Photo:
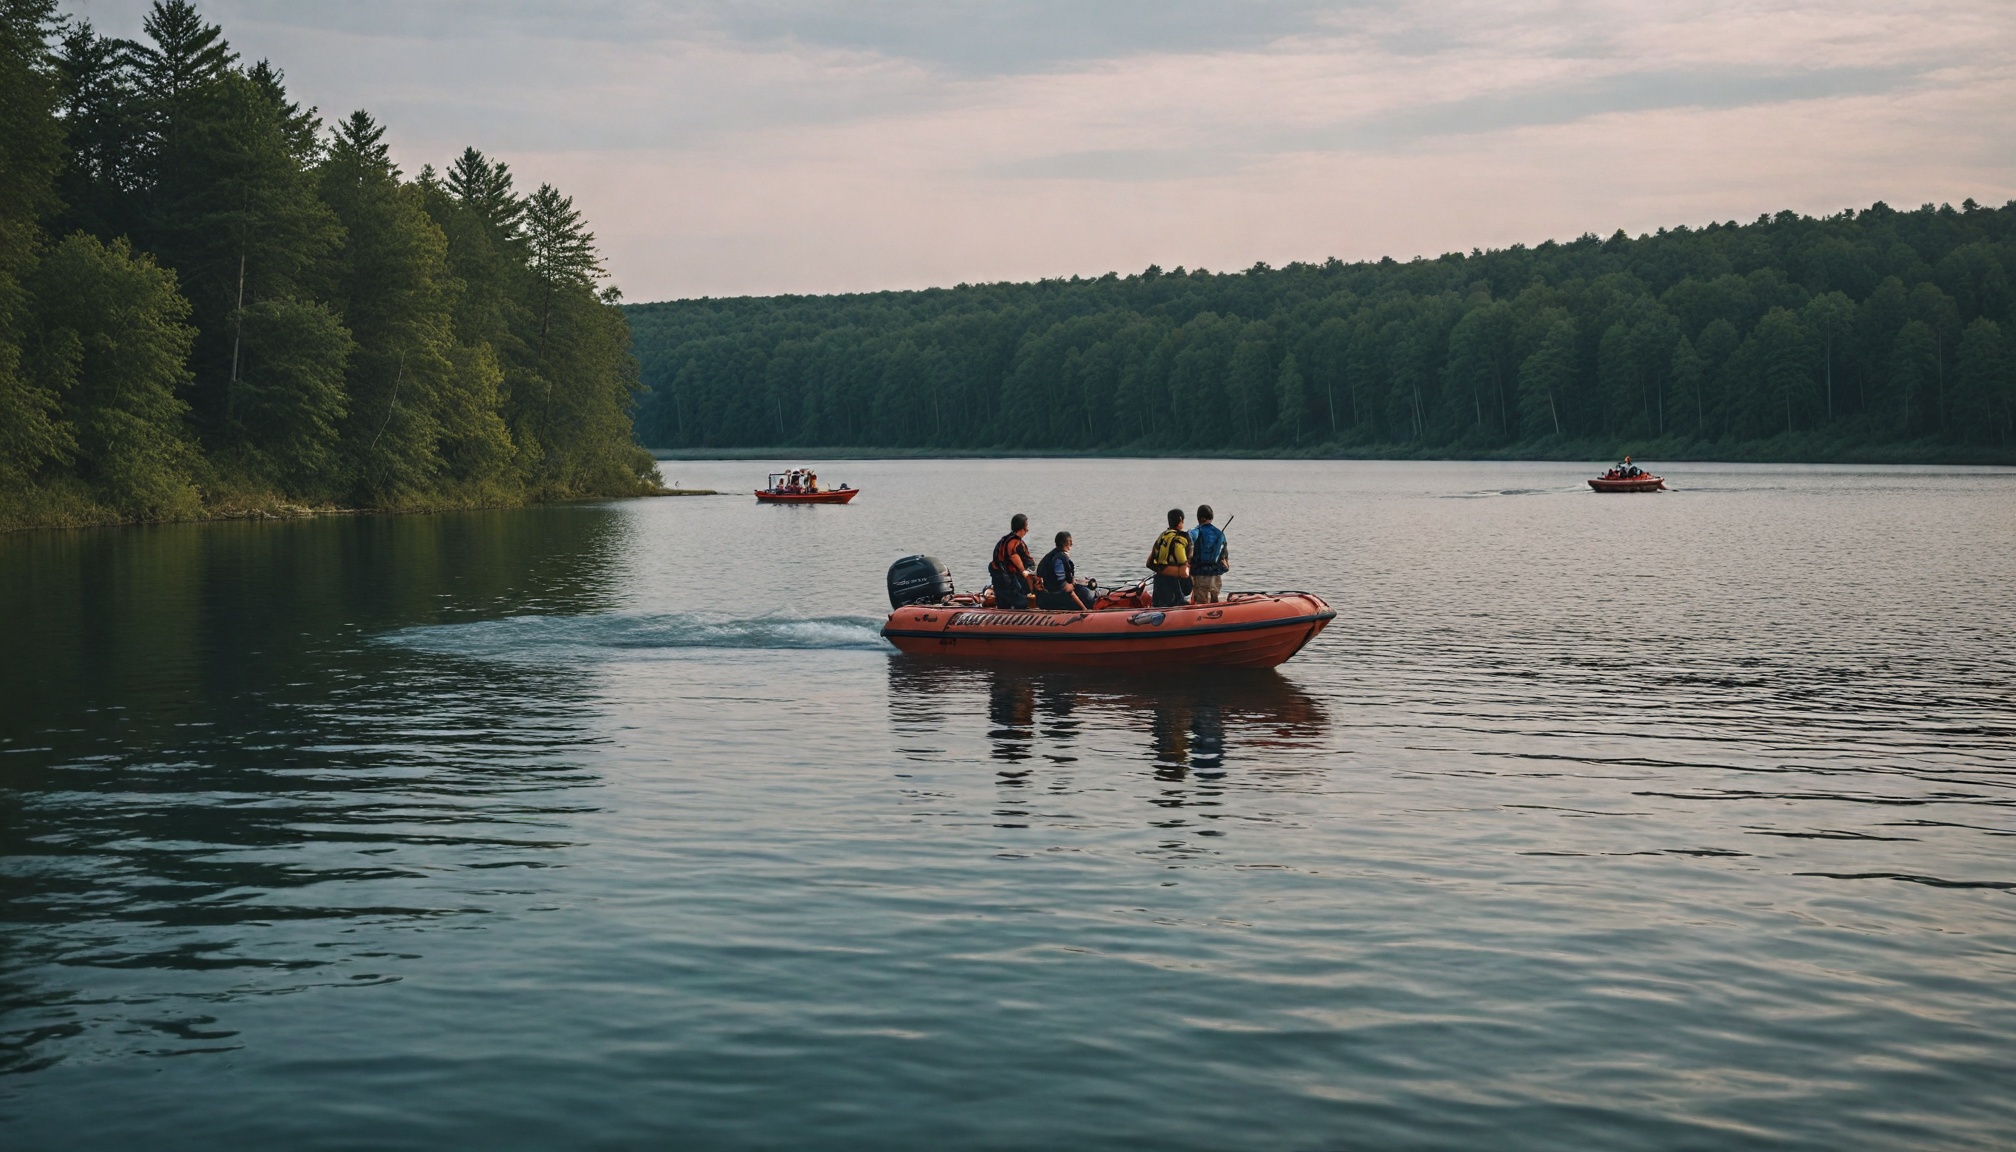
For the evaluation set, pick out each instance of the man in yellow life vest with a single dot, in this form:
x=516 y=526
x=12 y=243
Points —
x=1170 y=561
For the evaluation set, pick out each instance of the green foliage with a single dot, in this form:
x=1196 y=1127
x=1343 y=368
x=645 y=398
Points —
x=1789 y=330
x=113 y=322
x=252 y=307
x=1984 y=394
x=31 y=153
x=289 y=400
x=393 y=289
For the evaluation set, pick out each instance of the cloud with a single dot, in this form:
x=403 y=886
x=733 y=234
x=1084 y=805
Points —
x=816 y=145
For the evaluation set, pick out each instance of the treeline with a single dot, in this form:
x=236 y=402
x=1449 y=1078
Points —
x=1872 y=334
x=209 y=302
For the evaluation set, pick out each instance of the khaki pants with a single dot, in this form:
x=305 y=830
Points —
x=1205 y=589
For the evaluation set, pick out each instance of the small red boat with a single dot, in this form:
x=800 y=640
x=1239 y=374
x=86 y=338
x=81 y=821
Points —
x=801 y=486
x=1610 y=482
x=1122 y=629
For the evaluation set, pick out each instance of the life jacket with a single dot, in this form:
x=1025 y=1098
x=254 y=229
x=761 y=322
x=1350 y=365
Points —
x=1207 y=551
x=1172 y=550
x=1048 y=565
x=1004 y=550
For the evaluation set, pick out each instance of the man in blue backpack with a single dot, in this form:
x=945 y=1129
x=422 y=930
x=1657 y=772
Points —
x=1209 y=558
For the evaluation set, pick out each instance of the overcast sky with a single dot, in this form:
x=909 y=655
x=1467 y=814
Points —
x=767 y=146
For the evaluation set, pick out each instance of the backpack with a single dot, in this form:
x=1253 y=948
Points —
x=1208 y=551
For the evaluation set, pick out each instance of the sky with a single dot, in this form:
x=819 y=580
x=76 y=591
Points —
x=757 y=147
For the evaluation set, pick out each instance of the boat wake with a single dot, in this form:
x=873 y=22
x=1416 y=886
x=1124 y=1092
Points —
x=546 y=638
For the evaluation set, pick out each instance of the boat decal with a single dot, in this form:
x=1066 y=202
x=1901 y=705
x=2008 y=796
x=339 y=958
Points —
x=1014 y=619
x=1155 y=618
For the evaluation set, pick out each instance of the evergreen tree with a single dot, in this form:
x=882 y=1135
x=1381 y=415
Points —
x=1690 y=377
x=31 y=153
x=394 y=293
x=113 y=327
x=1545 y=378
x=1252 y=383
x=1789 y=323
x=235 y=211
x=289 y=400
x=185 y=55
x=560 y=248
x=1830 y=318
x=1983 y=388
x=1913 y=375
x=1291 y=401
x=1786 y=355
x=249 y=310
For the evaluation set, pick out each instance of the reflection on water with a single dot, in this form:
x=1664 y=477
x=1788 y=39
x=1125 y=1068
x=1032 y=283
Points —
x=619 y=826
x=1191 y=728
x=211 y=769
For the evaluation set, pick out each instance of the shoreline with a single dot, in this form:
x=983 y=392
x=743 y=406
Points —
x=1904 y=455
x=281 y=510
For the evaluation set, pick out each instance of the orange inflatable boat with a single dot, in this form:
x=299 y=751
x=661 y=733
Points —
x=1246 y=630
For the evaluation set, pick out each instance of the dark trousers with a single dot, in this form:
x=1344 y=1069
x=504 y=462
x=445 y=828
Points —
x=1010 y=593
x=1171 y=591
x=1076 y=597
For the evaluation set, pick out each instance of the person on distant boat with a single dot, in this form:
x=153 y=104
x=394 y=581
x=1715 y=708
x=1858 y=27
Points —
x=1210 y=558
x=811 y=481
x=1011 y=566
x=1627 y=470
x=1059 y=588
x=1170 y=561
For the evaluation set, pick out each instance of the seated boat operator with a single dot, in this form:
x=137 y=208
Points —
x=1059 y=588
x=1011 y=566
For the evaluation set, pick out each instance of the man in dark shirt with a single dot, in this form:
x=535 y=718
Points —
x=1059 y=588
x=1011 y=566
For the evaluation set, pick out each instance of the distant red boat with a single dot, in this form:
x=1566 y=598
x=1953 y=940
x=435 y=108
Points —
x=800 y=486
x=1611 y=482
x=829 y=496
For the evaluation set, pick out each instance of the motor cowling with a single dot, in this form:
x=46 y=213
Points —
x=918 y=580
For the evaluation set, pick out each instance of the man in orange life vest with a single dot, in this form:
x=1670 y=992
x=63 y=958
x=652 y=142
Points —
x=1011 y=566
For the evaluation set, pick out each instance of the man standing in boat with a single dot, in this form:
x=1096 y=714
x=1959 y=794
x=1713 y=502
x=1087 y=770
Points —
x=1011 y=566
x=1170 y=561
x=1209 y=558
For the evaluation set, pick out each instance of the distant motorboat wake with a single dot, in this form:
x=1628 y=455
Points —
x=546 y=638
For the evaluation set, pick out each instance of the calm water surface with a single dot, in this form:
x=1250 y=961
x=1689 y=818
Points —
x=1680 y=821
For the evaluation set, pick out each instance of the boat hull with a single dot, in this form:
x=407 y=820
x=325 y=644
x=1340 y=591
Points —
x=1635 y=484
x=841 y=496
x=1252 y=631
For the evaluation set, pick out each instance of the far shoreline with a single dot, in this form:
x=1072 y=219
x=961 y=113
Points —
x=1903 y=455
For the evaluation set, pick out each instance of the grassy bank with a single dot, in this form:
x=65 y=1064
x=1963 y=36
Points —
x=69 y=503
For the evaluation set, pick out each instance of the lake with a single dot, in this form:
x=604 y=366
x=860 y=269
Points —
x=1671 y=821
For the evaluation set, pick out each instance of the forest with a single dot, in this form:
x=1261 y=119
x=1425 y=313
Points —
x=1871 y=335
x=212 y=303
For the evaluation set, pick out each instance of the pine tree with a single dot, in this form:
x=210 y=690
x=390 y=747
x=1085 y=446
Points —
x=394 y=293
x=1544 y=379
x=185 y=53
x=560 y=250
x=113 y=325
x=32 y=432
x=1291 y=400
x=234 y=210
x=1982 y=385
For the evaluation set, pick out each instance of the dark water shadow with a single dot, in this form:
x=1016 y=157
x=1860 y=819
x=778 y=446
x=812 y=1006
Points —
x=207 y=766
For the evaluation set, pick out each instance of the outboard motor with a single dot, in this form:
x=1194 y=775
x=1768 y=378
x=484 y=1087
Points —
x=918 y=580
